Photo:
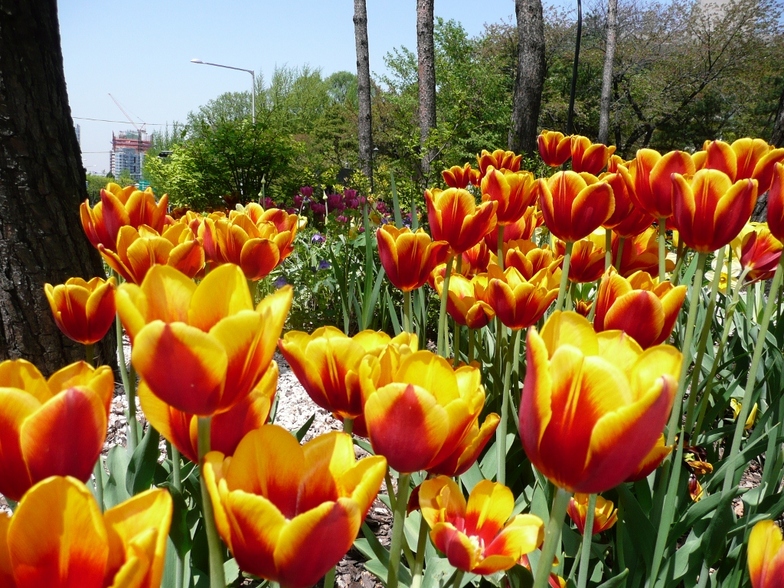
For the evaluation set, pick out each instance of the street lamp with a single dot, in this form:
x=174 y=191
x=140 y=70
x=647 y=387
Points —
x=252 y=75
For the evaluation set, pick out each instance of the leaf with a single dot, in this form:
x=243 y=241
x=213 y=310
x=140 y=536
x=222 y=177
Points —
x=141 y=468
x=520 y=577
x=303 y=430
x=639 y=527
x=115 y=489
x=179 y=534
x=715 y=536
x=618 y=580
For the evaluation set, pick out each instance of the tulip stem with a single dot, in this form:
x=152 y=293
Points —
x=746 y=402
x=89 y=354
x=662 y=248
x=585 y=555
x=98 y=473
x=502 y=425
x=552 y=537
x=127 y=385
x=677 y=406
x=407 y=312
x=133 y=424
x=458 y=578
x=329 y=579
x=398 y=524
x=564 y=276
x=442 y=334
x=470 y=356
x=348 y=425
x=500 y=247
x=619 y=256
x=607 y=249
x=419 y=562
x=179 y=565
x=217 y=577
x=701 y=344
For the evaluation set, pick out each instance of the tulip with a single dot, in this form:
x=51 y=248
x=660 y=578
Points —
x=709 y=210
x=327 y=361
x=83 y=311
x=572 y=208
x=455 y=218
x=628 y=219
x=642 y=308
x=589 y=157
x=458 y=177
x=651 y=461
x=286 y=224
x=776 y=203
x=605 y=513
x=745 y=159
x=766 y=555
x=120 y=207
x=409 y=257
x=53 y=427
x=138 y=250
x=226 y=429
x=288 y=513
x=593 y=405
x=650 y=173
x=467 y=452
x=200 y=349
x=524 y=228
x=418 y=409
x=529 y=259
x=499 y=159
x=587 y=261
x=474 y=260
x=554 y=148
x=463 y=304
x=759 y=251
x=519 y=303
x=639 y=253
x=513 y=191
x=479 y=536
x=57 y=537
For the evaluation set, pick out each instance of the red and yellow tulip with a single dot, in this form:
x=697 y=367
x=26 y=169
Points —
x=589 y=157
x=709 y=210
x=455 y=217
x=523 y=228
x=766 y=555
x=463 y=303
x=628 y=219
x=83 y=311
x=605 y=513
x=554 y=148
x=650 y=173
x=57 y=537
x=513 y=191
x=593 y=405
x=53 y=427
x=759 y=251
x=120 y=207
x=572 y=207
x=499 y=159
x=641 y=307
x=201 y=349
x=468 y=450
x=459 y=177
x=519 y=303
x=588 y=259
x=274 y=500
x=418 y=409
x=651 y=461
x=479 y=536
x=745 y=159
x=226 y=428
x=776 y=203
x=138 y=250
x=528 y=258
x=639 y=253
x=408 y=257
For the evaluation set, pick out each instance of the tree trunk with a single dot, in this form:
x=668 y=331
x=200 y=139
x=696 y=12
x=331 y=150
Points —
x=426 y=56
x=42 y=182
x=777 y=136
x=363 y=86
x=609 y=57
x=529 y=81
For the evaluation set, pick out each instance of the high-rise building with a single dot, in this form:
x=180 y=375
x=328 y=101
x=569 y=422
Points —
x=127 y=153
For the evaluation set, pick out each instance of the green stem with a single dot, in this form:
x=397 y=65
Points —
x=89 y=354
x=662 y=249
x=500 y=247
x=458 y=578
x=500 y=442
x=746 y=402
x=442 y=335
x=348 y=425
x=419 y=562
x=585 y=556
x=407 y=312
x=470 y=357
x=126 y=380
x=670 y=493
x=179 y=566
x=217 y=577
x=98 y=473
x=607 y=249
x=552 y=537
x=703 y=342
x=564 y=276
x=694 y=299
x=329 y=579
x=619 y=256
x=133 y=424
x=398 y=523
x=680 y=255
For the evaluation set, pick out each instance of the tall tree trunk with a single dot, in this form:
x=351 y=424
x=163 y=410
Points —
x=777 y=136
x=363 y=86
x=529 y=81
x=42 y=182
x=426 y=57
x=609 y=57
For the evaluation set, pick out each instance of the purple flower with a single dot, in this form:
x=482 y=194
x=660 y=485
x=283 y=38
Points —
x=341 y=218
x=298 y=200
x=324 y=264
x=280 y=282
x=269 y=203
x=318 y=238
x=306 y=191
x=318 y=208
x=381 y=207
x=335 y=202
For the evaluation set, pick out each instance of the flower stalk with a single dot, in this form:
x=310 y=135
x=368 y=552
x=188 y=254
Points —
x=217 y=577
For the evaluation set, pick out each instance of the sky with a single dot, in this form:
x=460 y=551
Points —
x=140 y=52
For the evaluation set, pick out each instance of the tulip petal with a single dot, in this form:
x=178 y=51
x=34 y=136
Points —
x=222 y=293
x=639 y=314
x=460 y=550
x=766 y=555
x=174 y=425
x=57 y=537
x=6 y=569
x=326 y=458
x=15 y=407
x=489 y=506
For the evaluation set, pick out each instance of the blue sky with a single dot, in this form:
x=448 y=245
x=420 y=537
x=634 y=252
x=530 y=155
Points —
x=140 y=51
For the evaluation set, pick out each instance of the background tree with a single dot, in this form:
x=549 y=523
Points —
x=607 y=73
x=42 y=183
x=529 y=81
x=365 y=119
x=426 y=61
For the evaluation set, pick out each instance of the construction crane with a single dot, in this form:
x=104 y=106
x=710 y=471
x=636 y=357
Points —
x=142 y=130
x=123 y=142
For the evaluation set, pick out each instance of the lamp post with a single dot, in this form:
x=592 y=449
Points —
x=252 y=75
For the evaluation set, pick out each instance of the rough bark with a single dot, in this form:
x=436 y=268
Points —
x=529 y=80
x=609 y=57
x=426 y=59
x=777 y=136
x=365 y=123
x=42 y=182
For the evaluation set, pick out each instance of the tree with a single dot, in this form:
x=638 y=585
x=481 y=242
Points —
x=426 y=76
x=529 y=81
x=365 y=121
x=607 y=74
x=42 y=183
x=777 y=136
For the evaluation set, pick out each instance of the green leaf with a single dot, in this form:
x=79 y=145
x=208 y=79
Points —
x=231 y=570
x=520 y=577
x=639 y=527
x=303 y=430
x=143 y=463
x=115 y=489
x=618 y=580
